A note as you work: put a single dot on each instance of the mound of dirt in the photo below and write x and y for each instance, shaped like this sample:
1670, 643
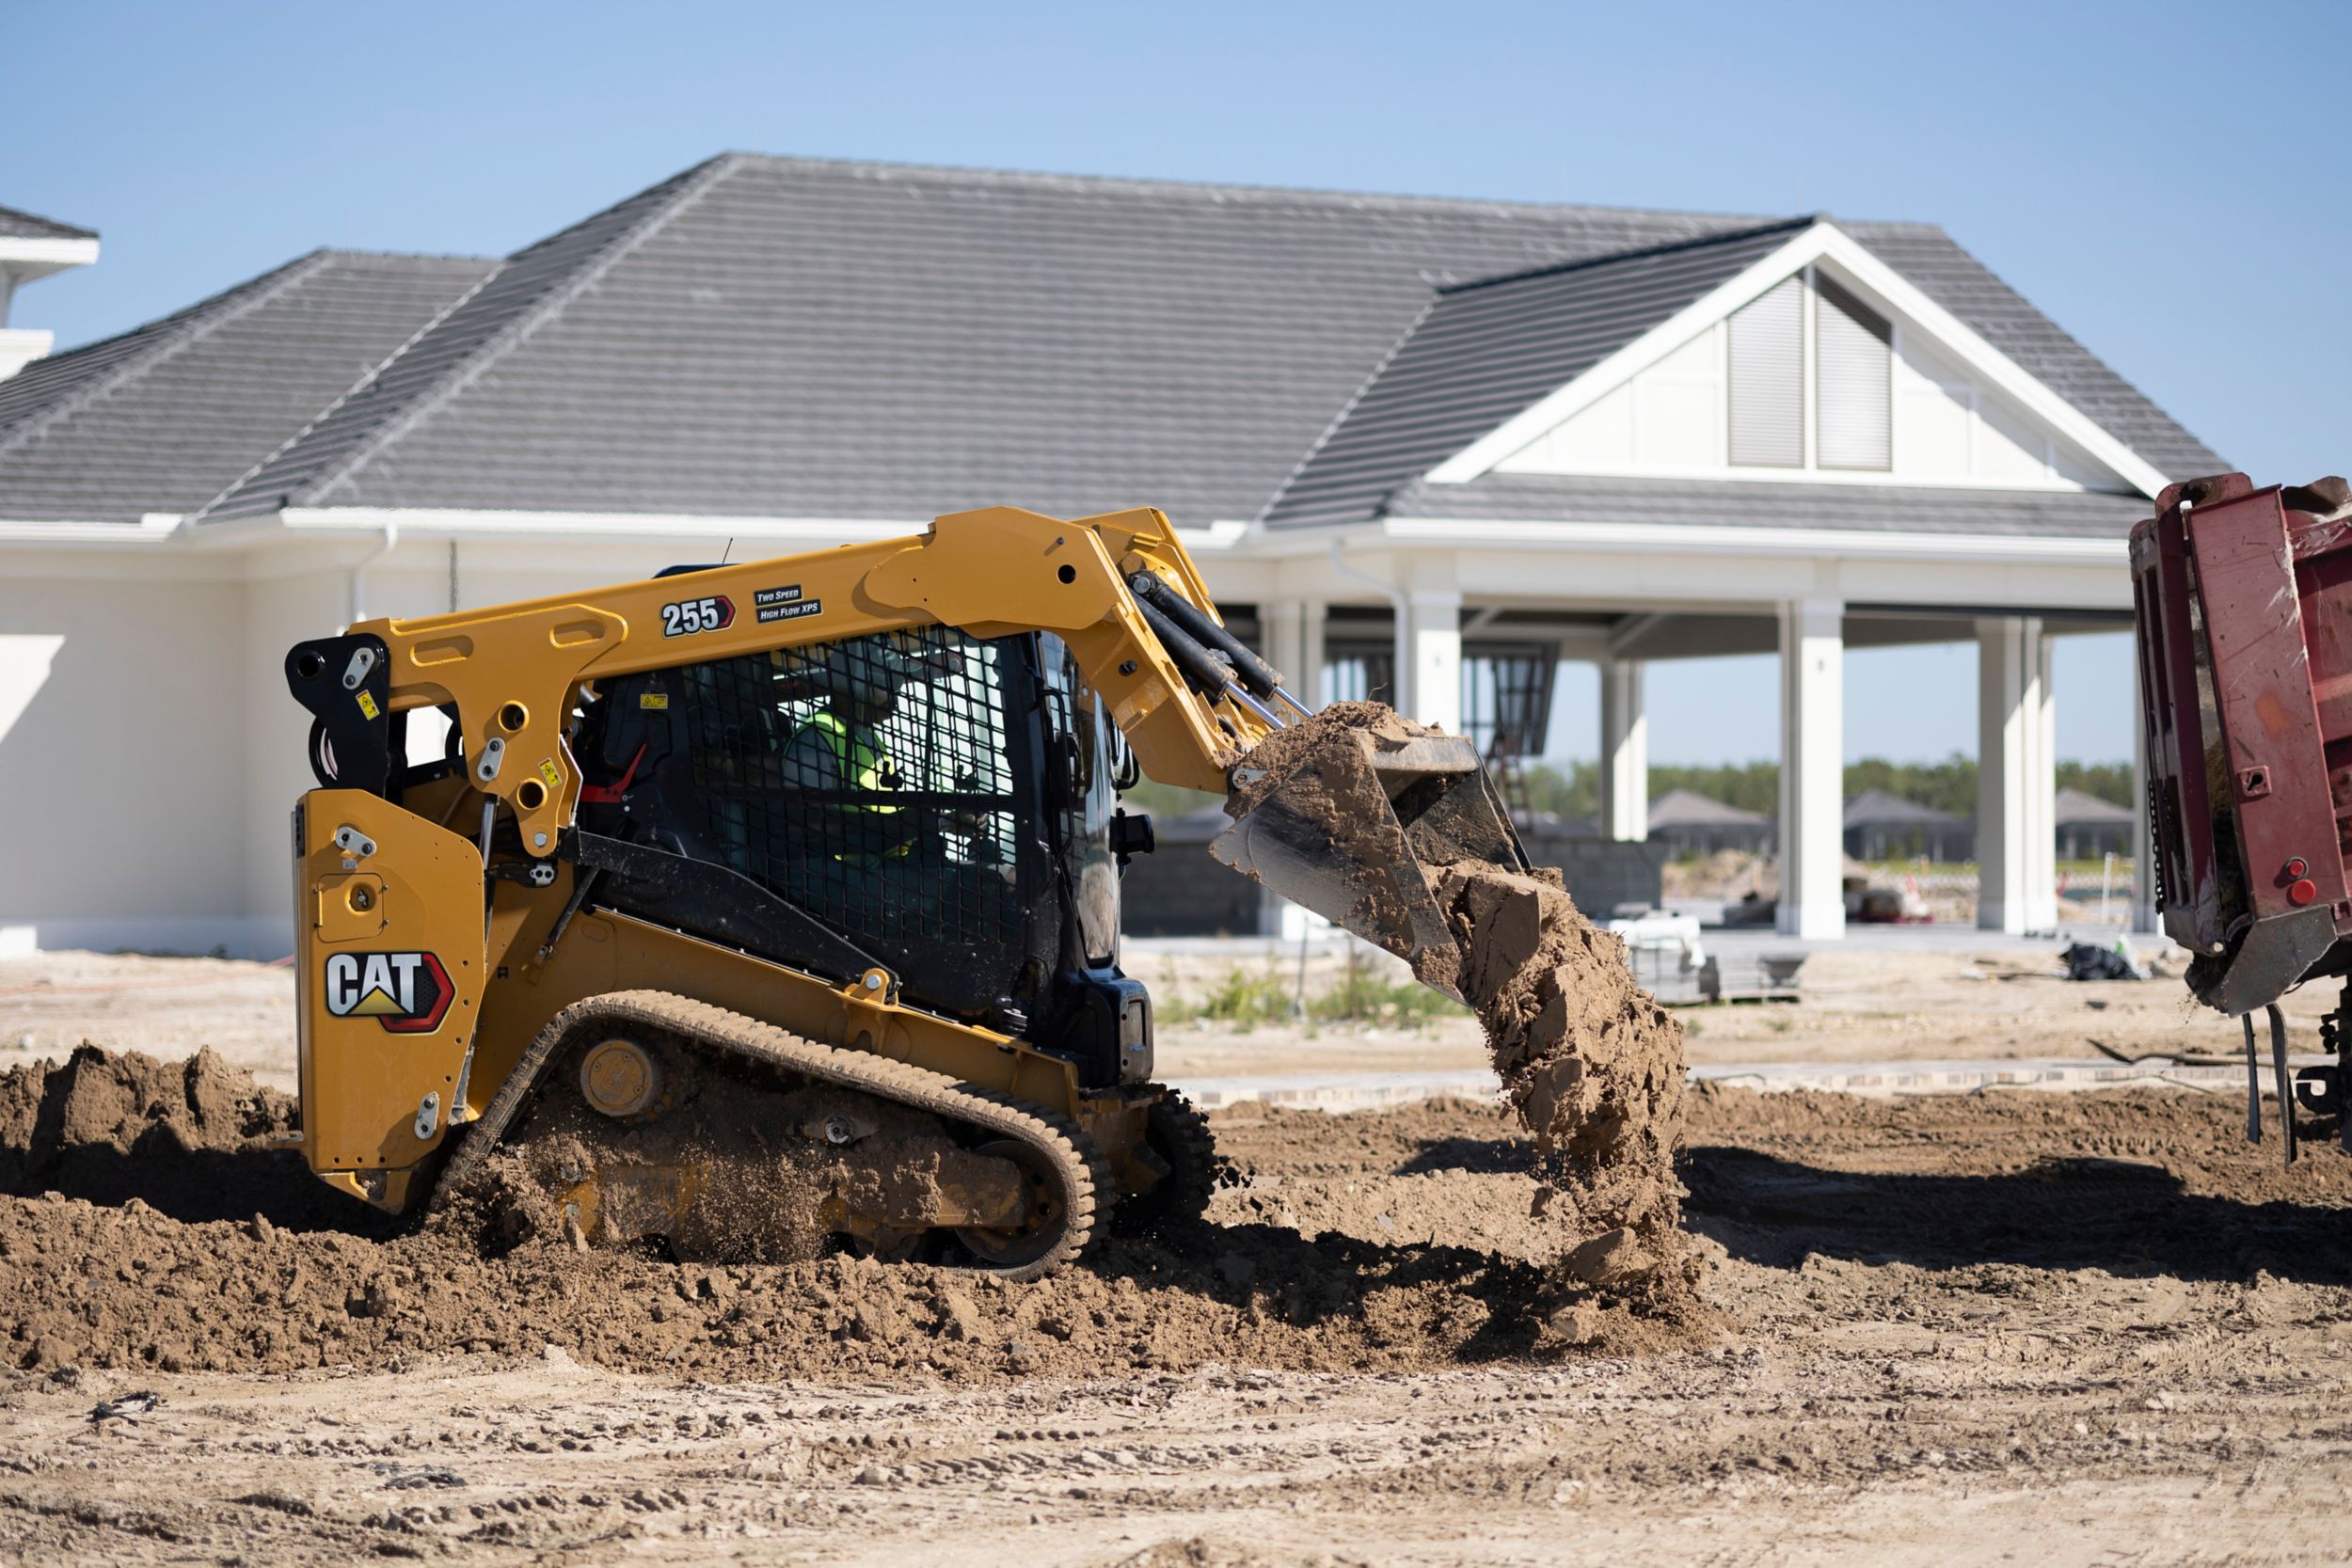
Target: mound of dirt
187, 1137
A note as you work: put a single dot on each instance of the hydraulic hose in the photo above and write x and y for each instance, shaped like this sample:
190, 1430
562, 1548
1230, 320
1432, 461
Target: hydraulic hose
1252, 670
1202, 669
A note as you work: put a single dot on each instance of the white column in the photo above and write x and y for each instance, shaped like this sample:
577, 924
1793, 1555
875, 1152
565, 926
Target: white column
2143, 851
2041, 794
1623, 751
2016, 778
1290, 637
1812, 770
1282, 639
1281, 632
1433, 646
1309, 675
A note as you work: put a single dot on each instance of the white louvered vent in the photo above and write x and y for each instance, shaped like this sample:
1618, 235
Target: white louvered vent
1853, 380
1767, 380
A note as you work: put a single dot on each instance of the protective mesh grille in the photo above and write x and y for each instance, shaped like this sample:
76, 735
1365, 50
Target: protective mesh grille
867, 780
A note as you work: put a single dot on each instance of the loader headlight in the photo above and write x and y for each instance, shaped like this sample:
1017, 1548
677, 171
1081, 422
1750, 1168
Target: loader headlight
1135, 1041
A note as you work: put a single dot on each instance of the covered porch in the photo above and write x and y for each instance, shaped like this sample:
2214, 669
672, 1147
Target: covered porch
1455, 625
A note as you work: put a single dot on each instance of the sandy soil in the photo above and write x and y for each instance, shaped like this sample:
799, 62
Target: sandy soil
52, 1002
2072, 1329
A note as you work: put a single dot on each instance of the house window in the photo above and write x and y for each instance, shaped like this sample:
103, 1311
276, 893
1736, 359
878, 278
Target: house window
1853, 374
1767, 354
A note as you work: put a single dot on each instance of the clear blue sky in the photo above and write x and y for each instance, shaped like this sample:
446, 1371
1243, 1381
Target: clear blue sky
2166, 181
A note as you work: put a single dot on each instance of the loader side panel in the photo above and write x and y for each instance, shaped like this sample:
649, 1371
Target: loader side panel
388, 966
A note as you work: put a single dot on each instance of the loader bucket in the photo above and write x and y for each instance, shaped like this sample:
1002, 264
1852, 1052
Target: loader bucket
1356, 826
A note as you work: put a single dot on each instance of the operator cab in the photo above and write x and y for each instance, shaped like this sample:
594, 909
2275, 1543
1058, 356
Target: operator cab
936, 804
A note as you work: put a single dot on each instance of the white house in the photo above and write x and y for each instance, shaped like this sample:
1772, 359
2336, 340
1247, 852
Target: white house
1416, 436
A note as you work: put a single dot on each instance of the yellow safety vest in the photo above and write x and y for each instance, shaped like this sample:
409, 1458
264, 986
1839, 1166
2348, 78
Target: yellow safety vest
860, 767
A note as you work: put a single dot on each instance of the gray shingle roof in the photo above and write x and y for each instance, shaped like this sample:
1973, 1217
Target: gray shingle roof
787, 337
1875, 808
18, 224
1484, 353
1688, 808
2081, 808
523, 294
1770, 504
771, 337
162, 417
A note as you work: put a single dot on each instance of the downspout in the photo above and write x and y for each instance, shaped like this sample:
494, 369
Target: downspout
1402, 653
360, 570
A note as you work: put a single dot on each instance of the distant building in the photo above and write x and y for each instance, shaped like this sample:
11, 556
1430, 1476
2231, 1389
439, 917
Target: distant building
1689, 823
1883, 827
2088, 828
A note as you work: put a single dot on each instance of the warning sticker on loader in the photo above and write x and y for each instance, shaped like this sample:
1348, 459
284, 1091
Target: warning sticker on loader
367, 705
409, 994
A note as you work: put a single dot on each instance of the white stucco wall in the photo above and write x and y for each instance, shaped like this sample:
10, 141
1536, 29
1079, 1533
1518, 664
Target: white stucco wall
120, 764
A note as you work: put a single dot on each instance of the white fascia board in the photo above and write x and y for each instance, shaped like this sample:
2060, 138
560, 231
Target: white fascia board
1628, 361
153, 528
1223, 535
651, 525
1217, 536
1461, 534
1881, 285
31, 257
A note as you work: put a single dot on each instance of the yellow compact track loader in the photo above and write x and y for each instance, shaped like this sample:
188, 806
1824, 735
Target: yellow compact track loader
757, 908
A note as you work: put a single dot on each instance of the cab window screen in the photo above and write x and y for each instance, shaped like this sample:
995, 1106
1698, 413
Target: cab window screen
867, 780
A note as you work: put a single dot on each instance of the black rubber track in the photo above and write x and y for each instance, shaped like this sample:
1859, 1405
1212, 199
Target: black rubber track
1068, 1152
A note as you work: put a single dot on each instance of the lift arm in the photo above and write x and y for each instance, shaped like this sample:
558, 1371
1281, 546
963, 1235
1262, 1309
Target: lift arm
512, 670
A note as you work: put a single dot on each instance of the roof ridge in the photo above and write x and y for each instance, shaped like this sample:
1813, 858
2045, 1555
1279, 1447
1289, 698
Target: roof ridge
445, 383
181, 330
1664, 248
1337, 195
357, 253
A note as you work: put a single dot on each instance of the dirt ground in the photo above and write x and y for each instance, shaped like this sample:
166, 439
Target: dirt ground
2072, 1329
2007, 1328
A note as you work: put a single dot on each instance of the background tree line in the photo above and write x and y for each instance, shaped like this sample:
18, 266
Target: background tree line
1949, 785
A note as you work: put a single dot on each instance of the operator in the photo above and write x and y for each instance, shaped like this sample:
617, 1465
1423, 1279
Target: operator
840, 747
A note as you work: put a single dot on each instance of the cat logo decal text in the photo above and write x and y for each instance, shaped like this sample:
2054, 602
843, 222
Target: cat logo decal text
406, 992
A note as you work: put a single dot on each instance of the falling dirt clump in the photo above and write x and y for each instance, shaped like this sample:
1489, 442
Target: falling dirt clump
1594, 1068
1591, 1063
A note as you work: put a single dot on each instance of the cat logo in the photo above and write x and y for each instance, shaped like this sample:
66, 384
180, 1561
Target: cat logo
408, 993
